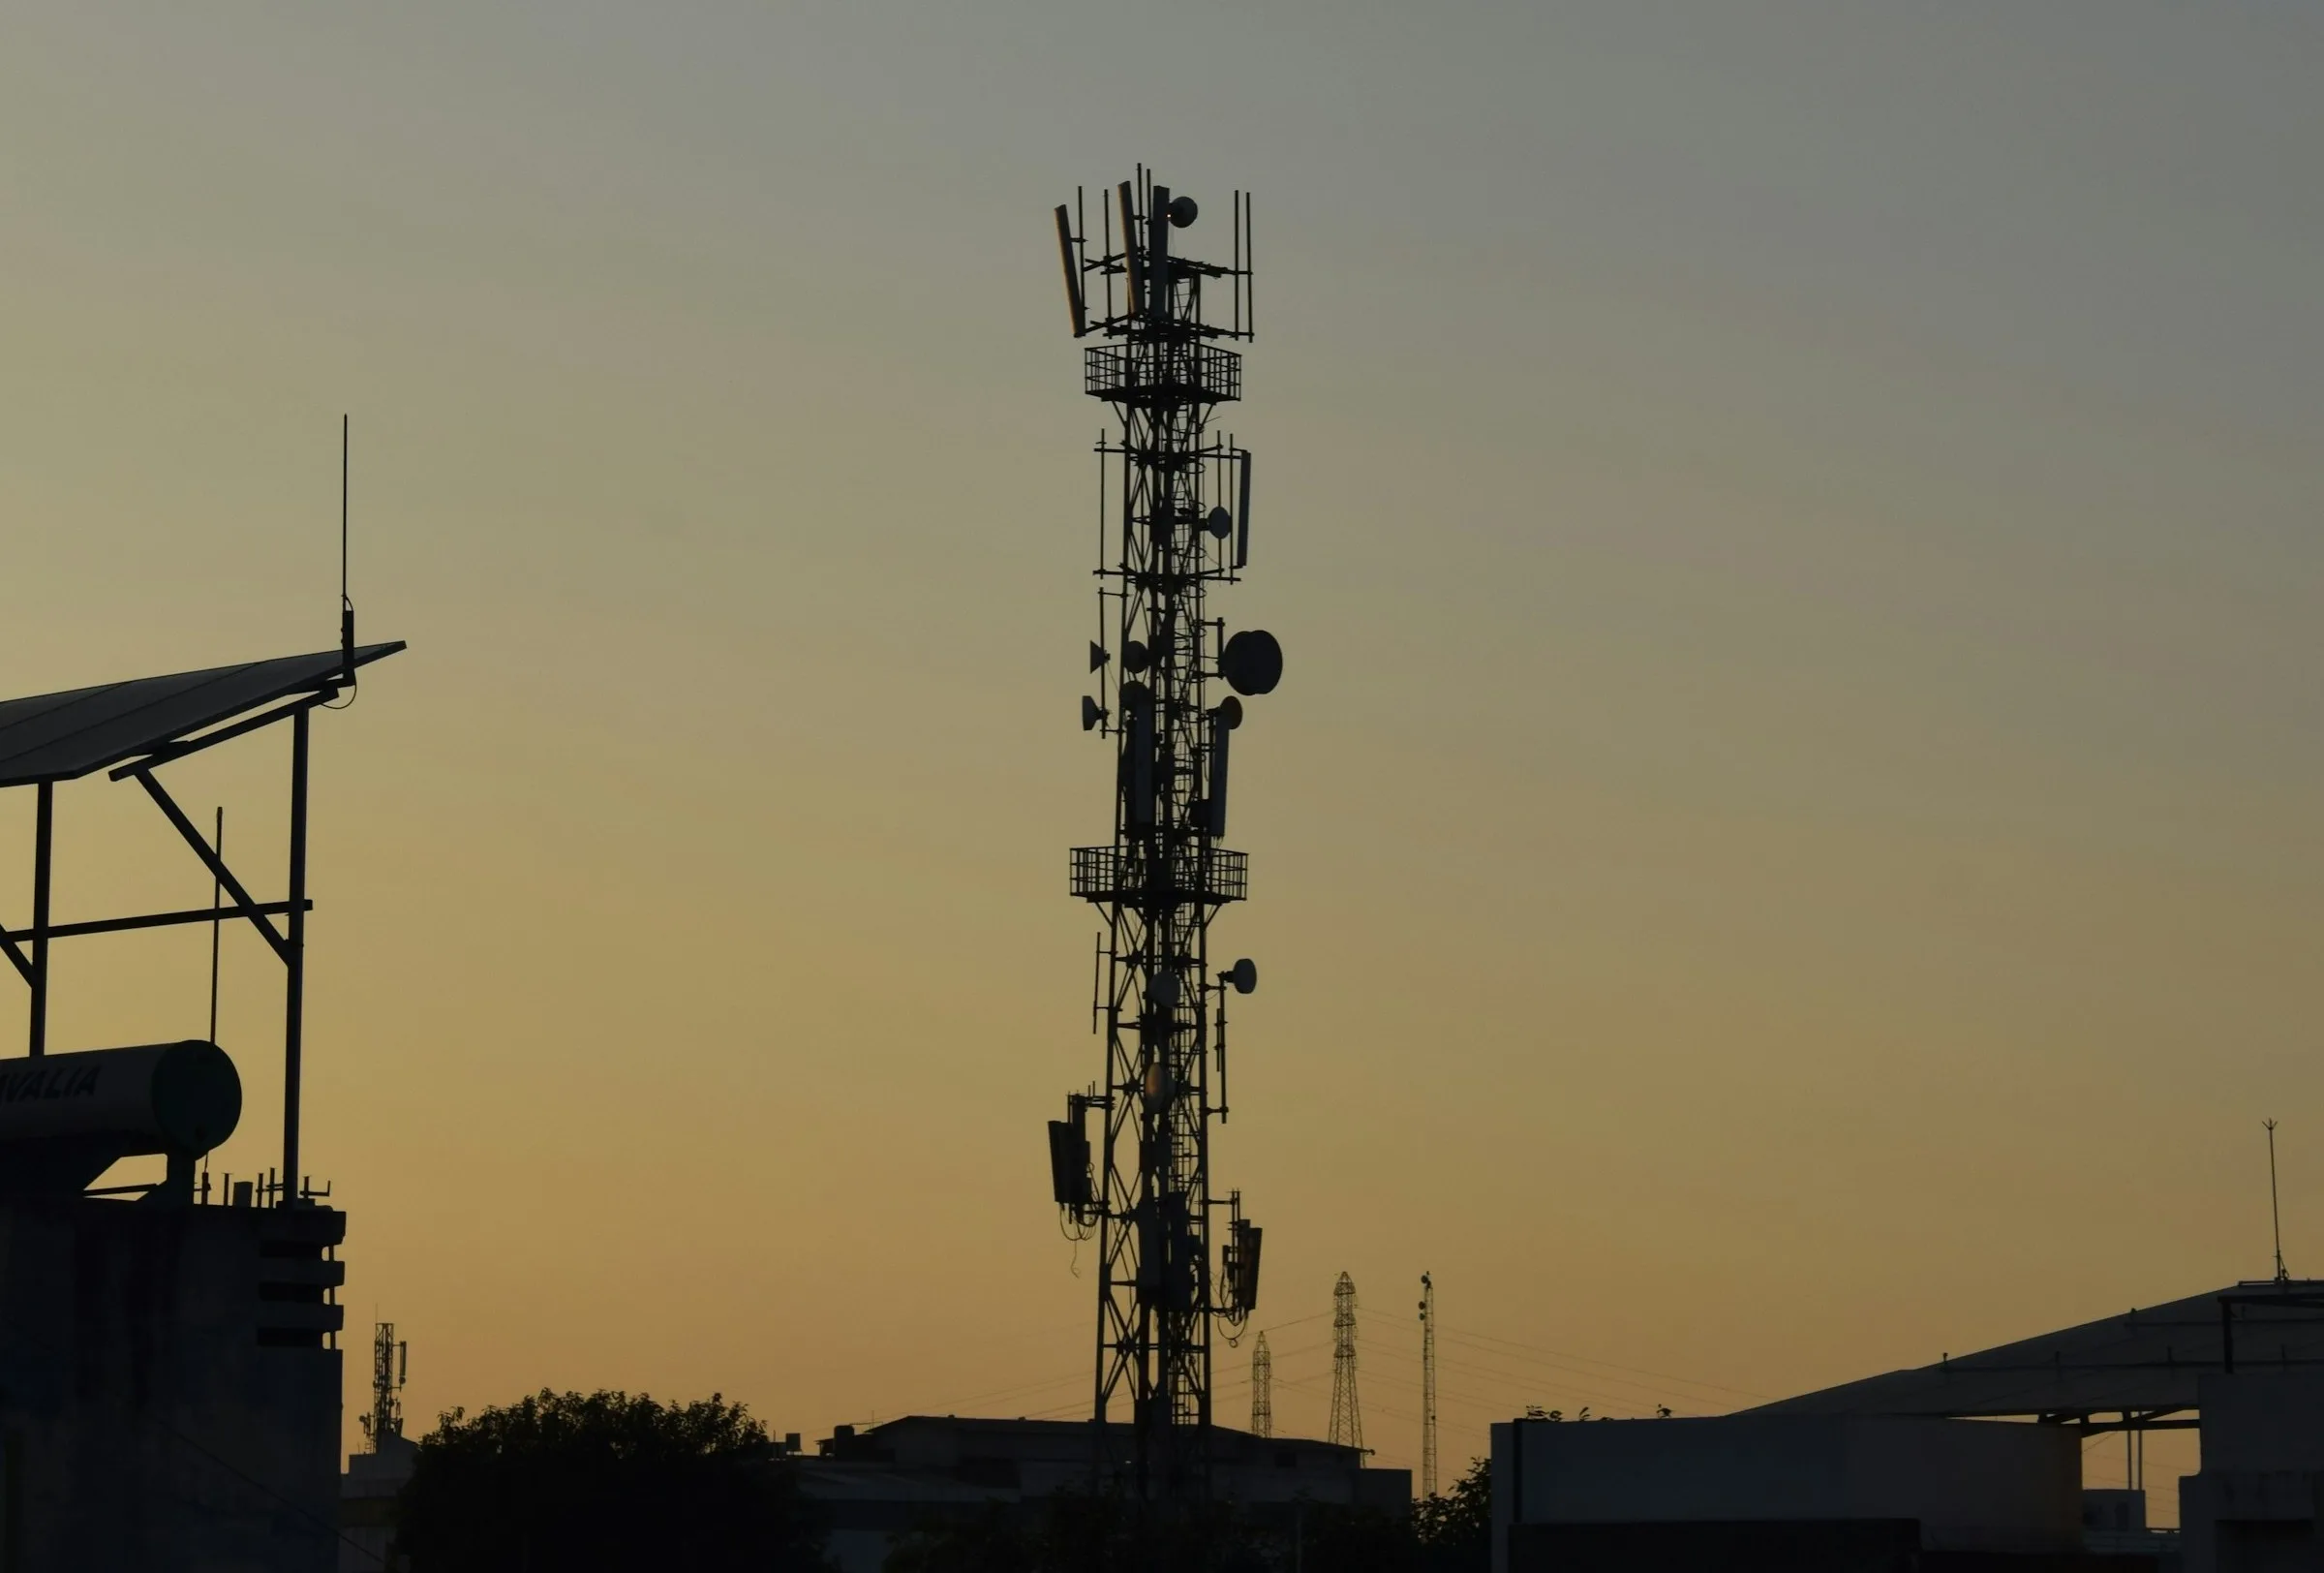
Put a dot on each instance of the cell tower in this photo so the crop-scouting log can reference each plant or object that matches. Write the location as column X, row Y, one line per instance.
column 1427, row 1385
column 390, row 1367
column 1263, row 1390
column 1347, row 1419
column 1175, row 523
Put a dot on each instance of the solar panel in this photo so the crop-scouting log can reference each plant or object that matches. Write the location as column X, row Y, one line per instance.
column 64, row 736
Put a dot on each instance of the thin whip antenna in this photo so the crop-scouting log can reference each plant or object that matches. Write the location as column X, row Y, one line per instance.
column 1427, row 1385
column 217, row 848
column 2274, row 1206
column 347, row 605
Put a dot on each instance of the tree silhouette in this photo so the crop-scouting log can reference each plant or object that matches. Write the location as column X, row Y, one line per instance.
column 573, row 1483
column 1455, row 1529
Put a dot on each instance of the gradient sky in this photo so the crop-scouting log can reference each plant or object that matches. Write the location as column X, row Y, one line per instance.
column 1788, row 844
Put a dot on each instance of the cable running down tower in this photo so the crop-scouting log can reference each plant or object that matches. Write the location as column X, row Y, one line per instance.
column 1174, row 525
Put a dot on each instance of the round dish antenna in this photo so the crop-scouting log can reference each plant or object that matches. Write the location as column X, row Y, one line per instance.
column 1252, row 662
column 1244, row 975
column 1182, row 212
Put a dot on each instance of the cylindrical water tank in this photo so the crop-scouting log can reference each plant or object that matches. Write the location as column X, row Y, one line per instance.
column 182, row 1098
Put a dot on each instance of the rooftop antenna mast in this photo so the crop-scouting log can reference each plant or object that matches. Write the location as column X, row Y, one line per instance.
column 390, row 1369
column 1347, row 1418
column 1263, row 1390
column 1427, row 1385
column 217, row 918
column 1174, row 526
column 2274, row 1208
column 347, row 605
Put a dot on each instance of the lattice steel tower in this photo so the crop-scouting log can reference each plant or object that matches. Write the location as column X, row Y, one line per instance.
column 391, row 1367
column 1263, row 1390
column 1173, row 526
column 1347, row 1415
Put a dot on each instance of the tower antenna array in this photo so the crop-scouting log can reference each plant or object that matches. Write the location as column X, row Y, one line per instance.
column 391, row 1367
column 1174, row 501
column 1347, row 1418
column 1427, row 1385
column 1263, row 1390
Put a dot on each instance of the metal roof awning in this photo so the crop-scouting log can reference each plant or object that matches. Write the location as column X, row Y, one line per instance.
column 2146, row 1362
column 136, row 729
column 52, row 737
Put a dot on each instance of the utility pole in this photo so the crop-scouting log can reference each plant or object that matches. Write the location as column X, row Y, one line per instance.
column 1263, row 1390
column 1347, row 1418
column 1427, row 1385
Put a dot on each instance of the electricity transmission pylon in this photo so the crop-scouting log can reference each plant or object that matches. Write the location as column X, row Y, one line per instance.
column 1347, row 1419
column 1427, row 1385
column 1263, row 1390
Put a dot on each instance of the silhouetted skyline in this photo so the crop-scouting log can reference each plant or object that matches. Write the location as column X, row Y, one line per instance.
column 1797, row 524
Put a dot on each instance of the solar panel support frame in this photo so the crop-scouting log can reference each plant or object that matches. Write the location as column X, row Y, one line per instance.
column 78, row 734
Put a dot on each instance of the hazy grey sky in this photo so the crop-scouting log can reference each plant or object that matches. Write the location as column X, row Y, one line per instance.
column 1788, row 840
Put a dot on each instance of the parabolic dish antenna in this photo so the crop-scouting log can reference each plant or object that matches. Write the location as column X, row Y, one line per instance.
column 1252, row 662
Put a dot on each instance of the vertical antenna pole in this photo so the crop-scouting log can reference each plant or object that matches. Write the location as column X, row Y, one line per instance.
column 1427, row 1385
column 43, row 840
column 347, row 606
column 294, row 985
column 217, row 893
column 2275, row 1208
column 1250, row 274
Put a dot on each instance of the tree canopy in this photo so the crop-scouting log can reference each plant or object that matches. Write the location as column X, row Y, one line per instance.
column 605, row 1481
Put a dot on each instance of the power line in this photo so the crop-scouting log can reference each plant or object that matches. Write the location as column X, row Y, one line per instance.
column 1558, row 1355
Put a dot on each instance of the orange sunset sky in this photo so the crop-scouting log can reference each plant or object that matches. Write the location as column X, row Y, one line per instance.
column 1788, row 842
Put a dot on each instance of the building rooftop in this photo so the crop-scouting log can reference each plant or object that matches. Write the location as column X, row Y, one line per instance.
column 2146, row 1359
